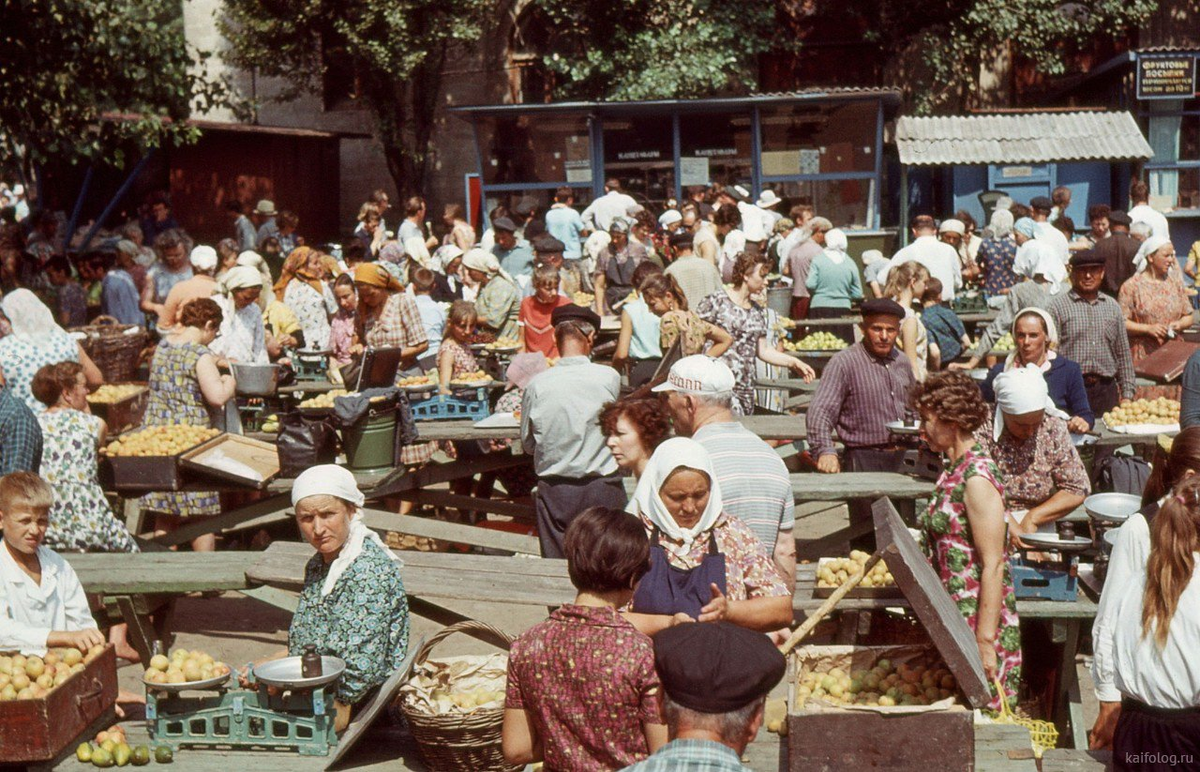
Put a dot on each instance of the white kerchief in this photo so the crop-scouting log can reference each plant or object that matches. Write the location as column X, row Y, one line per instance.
column 333, row 480
column 836, row 244
column 671, row 455
column 1019, row 391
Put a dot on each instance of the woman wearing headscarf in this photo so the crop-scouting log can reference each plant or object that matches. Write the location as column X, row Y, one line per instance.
column 353, row 605
column 1044, row 274
column 32, row 339
column 303, row 290
column 243, row 336
column 499, row 298
column 833, row 283
column 1155, row 302
column 962, row 531
column 704, row 564
column 997, row 254
column 252, row 259
column 446, row 264
column 1035, row 337
column 388, row 316
column 1044, row 479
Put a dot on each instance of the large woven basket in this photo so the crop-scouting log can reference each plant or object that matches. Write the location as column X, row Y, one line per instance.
column 116, row 353
column 467, row 742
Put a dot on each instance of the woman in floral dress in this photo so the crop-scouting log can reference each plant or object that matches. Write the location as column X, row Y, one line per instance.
column 31, row 339
column 962, row 532
column 732, row 310
column 1154, row 300
column 455, row 359
column 184, row 383
column 301, row 289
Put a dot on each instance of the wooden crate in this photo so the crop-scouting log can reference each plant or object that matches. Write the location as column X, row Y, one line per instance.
column 262, row 457
column 148, row 473
column 38, row 730
column 125, row 414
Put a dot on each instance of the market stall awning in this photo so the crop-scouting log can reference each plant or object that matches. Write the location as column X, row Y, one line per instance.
column 1037, row 137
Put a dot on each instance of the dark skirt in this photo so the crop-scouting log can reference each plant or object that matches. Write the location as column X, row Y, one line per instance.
column 1149, row 738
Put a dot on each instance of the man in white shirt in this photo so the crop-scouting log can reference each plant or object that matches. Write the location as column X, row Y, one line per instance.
column 613, row 204
column 42, row 603
column 1139, row 196
column 1039, row 212
column 767, row 201
column 939, row 257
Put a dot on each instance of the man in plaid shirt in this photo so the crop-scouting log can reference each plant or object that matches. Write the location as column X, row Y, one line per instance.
column 20, row 435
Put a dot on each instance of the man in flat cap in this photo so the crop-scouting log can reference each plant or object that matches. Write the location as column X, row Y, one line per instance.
column 864, row 387
column 548, row 251
column 560, row 428
column 1039, row 210
column 1117, row 251
column 514, row 254
column 715, row 679
column 1091, row 333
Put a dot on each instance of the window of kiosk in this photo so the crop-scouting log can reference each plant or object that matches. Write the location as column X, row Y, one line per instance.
column 818, row 139
column 1173, row 131
column 715, row 148
column 542, row 148
column 846, row 203
column 640, row 152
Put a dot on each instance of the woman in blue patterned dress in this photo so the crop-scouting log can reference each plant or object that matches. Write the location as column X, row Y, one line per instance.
column 184, row 383
column 353, row 604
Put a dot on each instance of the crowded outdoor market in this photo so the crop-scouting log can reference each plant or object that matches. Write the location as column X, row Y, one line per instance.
column 777, row 430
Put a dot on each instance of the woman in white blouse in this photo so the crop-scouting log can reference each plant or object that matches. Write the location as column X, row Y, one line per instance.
column 1130, row 554
column 242, row 337
column 1156, row 627
column 42, row 603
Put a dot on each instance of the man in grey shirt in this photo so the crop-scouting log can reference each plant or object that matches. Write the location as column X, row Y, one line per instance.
column 697, row 277
column 560, row 427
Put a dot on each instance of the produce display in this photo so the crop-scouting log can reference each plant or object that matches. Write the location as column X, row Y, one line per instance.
column 114, row 392
column 476, row 377
column 468, row 702
column 324, row 400
column 1161, row 412
column 818, row 341
column 182, row 667
column 836, row 572
column 415, row 380
column 1005, row 343
column 922, row 682
column 583, row 298
column 499, row 344
column 32, row 678
column 783, row 323
column 111, row 749
column 160, row 440
column 271, row 423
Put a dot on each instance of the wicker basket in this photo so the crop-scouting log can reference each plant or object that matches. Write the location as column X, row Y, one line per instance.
column 467, row 742
column 116, row 353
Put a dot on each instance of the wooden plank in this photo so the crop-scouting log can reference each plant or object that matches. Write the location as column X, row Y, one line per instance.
column 1074, row 760
column 769, row 427
column 161, row 572
column 437, row 498
column 848, row 485
column 272, row 596
column 206, row 525
column 453, row 532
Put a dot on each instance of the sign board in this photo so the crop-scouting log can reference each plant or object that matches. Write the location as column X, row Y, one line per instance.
column 693, row 171
column 810, row 161
column 579, row 162
column 1166, row 77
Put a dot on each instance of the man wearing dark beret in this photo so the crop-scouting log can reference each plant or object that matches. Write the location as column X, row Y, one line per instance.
column 548, row 251
column 560, row 428
column 513, row 252
column 1040, row 208
column 715, row 679
column 1118, row 251
column 864, row 387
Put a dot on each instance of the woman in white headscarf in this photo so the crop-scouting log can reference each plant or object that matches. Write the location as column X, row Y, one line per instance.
column 243, row 335
column 353, row 605
column 833, row 282
column 31, row 339
column 704, row 564
column 1035, row 337
column 1155, row 302
column 996, row 256
column 1044, row 478
column 499, row 300
column 1044, row 275
column 252, row 259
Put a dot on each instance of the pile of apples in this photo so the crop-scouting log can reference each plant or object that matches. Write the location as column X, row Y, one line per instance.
column 919, row 682
column 183, row 667
column 112, row 749
column 32, row 678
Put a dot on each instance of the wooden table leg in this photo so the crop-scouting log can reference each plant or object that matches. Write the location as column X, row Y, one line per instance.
column 1068, row 711
column 140, row 634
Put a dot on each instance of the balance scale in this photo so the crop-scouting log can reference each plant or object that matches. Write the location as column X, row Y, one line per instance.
column 300, row 717
column 1106, row 513
column 1054, row 573
column 310, row 365
column 253, row 411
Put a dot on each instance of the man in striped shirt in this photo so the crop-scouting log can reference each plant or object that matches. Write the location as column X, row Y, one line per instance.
column 755, row 484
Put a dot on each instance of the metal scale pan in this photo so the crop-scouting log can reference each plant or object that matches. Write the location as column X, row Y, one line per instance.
column 286, row 673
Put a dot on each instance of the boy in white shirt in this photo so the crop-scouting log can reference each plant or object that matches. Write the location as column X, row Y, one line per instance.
column 42, row 603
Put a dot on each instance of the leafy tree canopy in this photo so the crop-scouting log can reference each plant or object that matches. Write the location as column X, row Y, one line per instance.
column 66, row 64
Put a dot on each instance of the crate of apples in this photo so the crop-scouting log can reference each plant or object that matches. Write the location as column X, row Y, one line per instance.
column 1158, row 412
column 834, row 572
column 922, row 680
column 111, row 393
column 160, row 441
column 183, row 667
column 32, row 678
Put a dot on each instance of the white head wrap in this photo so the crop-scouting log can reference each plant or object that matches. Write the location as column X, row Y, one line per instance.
column 1036, row 257
column 953, row 226
column 671, row 455
column 1151, row 245
column 1051, row 333
column 27, row 315
column 444, row 256
column 203, row 258
column 669, row 218
column 1019, row 391
column 485, row 262
column 1001, row 223
column 835, row 245
column 333, row 480
column 241, row 277
column 871, row 256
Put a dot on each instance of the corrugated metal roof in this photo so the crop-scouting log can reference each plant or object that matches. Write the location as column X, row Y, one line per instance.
column 1021, row 138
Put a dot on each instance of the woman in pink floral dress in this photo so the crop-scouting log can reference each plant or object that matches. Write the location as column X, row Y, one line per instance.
column 962, row 532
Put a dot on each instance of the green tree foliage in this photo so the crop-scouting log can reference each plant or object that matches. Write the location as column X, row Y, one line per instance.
column 396, row 49
column 953, row 38
column 656, row 49
column 88, row 79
